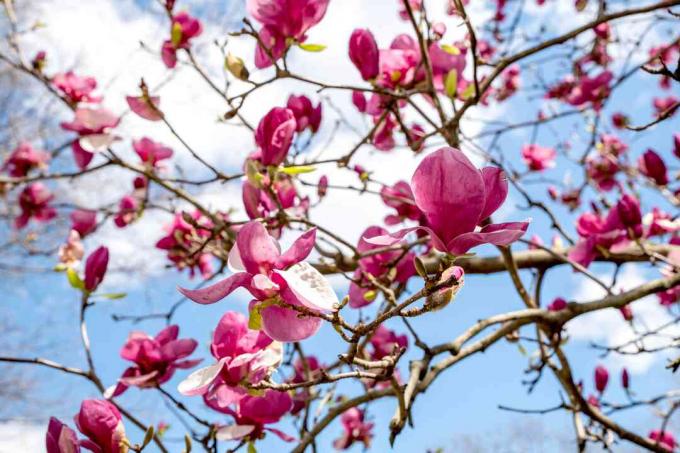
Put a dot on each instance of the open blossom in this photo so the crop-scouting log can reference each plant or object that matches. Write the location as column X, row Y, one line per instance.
column 23, row 159
column 155, row 358
column 363, row 51
column 60, row 438
column 612, row 232
column 93, row 127
column 361, row 291
column 306, row 115
column 182, row 29
column 456, row 198
column 252, row 414
column 611, row 145
column 386, row 342
column 95, row 268
column 658, row 223
column 84, row 221
column 127, row 211
column 400, row 197
column 538, row 157
column 355, row 429
column 665, row 106
column 283, row 21
column 602, row 169
column 259, row 203
column 34, row 202
column 274, row 135
column 72, row 251
column 664, row 439
column 76, row 88
column 147, row 107
column 151, row 152
column 183, row 238
column 244, row 356
column 652, row 166
column 271, row 276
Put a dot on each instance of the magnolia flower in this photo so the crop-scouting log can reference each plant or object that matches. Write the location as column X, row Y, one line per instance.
column 538, row 157
column 147, row 107
column 72, row 251
column 455, row 198
column 601, row 378
column 664, row 439
column 83, row 221
column 602, row 169
column 271, row 277
column 385, row 342
column 181, row 239
column 355, row 429
column 155, row 358
column 611, row 145
column 306, row 115
column 76, row 88
column 102, row 423
column 652, row 166
column 259, row 203
column 34, row 202
column 183, row 28
column 284, row 21
column 151, row 152
column 274, row 135
column 23, row 159
column 557, row 304
column 305, row 370
column 400, row 197
column 363, row 51
column 127, row 211
column 620, row 120
column 244, row 356
column 93, row 128
column 95, row 268
column 252, row 415
column 60, row 438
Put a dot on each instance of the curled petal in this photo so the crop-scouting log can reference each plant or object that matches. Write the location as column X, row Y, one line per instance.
column 386, row 240
column 497, row 234
column 297, row 252
column 219, row 290
column 257, row 249
column 234, row 432
column 198, row 382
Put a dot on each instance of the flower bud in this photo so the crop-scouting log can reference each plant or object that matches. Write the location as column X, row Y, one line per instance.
column 363, row 51
column 441, row 298
column 95, row 268
column 557, row 304
column 601, row 378
column 652, row 165
column 625, row 379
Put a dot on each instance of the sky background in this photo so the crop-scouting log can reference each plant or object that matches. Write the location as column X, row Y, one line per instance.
column 460, row 411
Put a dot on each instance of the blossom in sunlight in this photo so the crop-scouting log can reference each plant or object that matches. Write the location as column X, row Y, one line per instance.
column 95, row 268
column 72, row 251
column 273, row 277
column 155, row 358
column 84, row 221
column 400, row 198
column 147, row 107
column 664, row 439
column 310, row 369
column 252, row 414
column 601, row 378
column 665, row 106
column 93, row 127
column 23, row 159
column 244, row 356
column 456, row 198
column 306, row 115
column 603, row 170
column 538, row 158
column 183, row 29
column 274, row 135
column 363, row 51
column 127, row 211
column 355, row 429
column 76, row 88
column 183, row 238
column 151, row 152
column 284, row 21
column 101, row 422
column 652, row 166
column 34, row 202
column 60, row 438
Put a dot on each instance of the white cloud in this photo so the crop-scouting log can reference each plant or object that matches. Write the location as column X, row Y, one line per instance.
column 609, row 328
column 21, row 437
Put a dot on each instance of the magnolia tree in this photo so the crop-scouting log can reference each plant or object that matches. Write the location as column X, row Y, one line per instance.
column 421, row 94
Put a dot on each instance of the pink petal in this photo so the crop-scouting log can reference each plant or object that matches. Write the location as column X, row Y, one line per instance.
column 281, row 435
column 297, row 252
column 178, row 349
column 143, row 109
column 497, row 234
column 256, row 247
column 284, row 324
column 219, row 290
column 168, row 334
column 82, row 157
column 393, row 238
column 496, row 189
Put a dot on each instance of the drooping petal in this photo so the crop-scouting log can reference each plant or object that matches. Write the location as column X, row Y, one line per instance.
column 386, row 240
column 257, row 249
column 146, row 109
column 178, row 349
column 297, row 252
column 450, row 191
column 281, row 435
column 496, row 190
column 497, row 234
column 285, row 324
column 233, row 432
column 219, row 290
column 310, row 286
column 197, row 383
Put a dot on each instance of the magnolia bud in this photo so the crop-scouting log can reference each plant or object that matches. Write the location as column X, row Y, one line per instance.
column 95, row 268
column 441, row 298
column 625, row 379
column 601, row 378
column 236, row 67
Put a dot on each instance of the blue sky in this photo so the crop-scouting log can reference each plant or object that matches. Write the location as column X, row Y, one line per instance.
column 462, row 404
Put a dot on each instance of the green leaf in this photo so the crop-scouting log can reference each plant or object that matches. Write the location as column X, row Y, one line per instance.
column 298, row 170
column 112, row 296
column 521, row 349
column 148, row 436
column 176, row 34
column 451, row 83
column 468, row 92
column 311, row 47
column 251, row 447
column 74, row 280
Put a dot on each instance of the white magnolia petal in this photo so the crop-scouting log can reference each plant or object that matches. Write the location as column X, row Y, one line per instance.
column 234, row 262
column 96, row 142
column 108, row 393
column 310, row 286
column 197, row 383
column 233, row 432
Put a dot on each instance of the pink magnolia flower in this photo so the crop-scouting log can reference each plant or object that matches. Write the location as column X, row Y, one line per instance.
column 95, row 268
column 72, row 251
column 355, row 429
column 252, row 415
column 93, row 127
column 398, row 64
column 127, row 211
column 274, row 135
column 258, row 201
column 652, row 166
column 283, row 20
column 361, row 291
column 557, row 304
column 611, row 145
column 400, row 197
column 538, row 158
column 304, row 371
column 602, row 169
column 146, row 107
column 182, row 239
column 593, row 401
column 322, row 186
column 590, row 89
column 363, row 51
column 182, row 29
column 383, row 137
column 625, row 379
column 271, row 276
column 151, row 152
column 23, row 159
column 665, row 106
column 601, row 378
column 385, row 342
column 510, row 83
column 306, row 115
column 77, row 89
column 155, row 358
column 102, row 423
column 34, row 202
column 244, row 356
column 83, row 221
column 658, row 223
column 456, row 198
column 60, row 438
column 664, row 439
column 359, row 101
column 672, row 295
column 416, row 5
